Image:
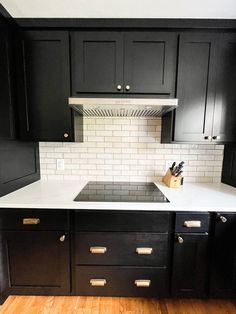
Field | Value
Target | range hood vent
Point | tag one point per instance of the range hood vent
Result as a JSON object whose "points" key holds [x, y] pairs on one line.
{"points": [[122, 107]]}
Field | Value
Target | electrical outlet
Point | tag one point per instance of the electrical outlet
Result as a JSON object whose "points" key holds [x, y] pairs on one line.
{"points": [[60, 164]]}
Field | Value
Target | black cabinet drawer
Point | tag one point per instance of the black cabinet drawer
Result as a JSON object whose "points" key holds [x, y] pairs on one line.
{"points": [[137, 249], [121, 281], [192, 222], [122, 221], [34, 219]]}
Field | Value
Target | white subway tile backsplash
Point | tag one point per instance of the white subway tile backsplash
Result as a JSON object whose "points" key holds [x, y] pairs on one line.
{"points": [[128, 149]]}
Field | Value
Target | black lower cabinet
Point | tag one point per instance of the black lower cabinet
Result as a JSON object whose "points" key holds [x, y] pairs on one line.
{"points": [[38, 262], [121, 281], [189, 273], [223, 261]]}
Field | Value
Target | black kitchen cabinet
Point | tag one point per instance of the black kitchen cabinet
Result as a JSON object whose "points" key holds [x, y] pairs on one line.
{"points": [[224, 125], [223, 259], [44, 86], [124, 62], [205, 89], [189, 274], [190, 257], [38, 262], [229, 165], [7, 127]]}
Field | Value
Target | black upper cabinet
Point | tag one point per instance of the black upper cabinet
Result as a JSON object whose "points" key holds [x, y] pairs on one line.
{"points": [[205, 89], [129, 62], [150, 62], [6, 108], [229, 165], [223, 262], [195, 87], [97, 59], [224, 126], [44, 86]]}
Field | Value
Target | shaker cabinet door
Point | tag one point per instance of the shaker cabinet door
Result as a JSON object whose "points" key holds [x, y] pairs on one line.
{"points": [[189, 274], [196, 87], [44, 86], [150, 62], [97, 62], [38, 262], [224, 126]]}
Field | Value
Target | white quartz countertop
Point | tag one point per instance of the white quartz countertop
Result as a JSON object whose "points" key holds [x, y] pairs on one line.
{"points": [[60, 195]]}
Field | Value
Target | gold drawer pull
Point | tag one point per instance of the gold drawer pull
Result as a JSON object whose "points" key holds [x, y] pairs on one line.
{"points": [[31, 221], [192, 224], [98, 250], [142, 283], [98, 282], [144, 250]]}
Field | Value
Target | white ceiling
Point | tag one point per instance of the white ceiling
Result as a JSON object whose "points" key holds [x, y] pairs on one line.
{"points": [[122, 8]]}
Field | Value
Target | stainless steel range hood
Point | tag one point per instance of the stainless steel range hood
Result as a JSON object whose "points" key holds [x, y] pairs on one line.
{"points": [[122, 107]]}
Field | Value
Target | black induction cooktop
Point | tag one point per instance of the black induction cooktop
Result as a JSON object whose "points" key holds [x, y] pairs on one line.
{"points": [[99, 191]]}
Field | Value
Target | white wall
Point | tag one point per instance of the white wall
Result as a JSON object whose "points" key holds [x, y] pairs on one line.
{"points": [[122, 8]]}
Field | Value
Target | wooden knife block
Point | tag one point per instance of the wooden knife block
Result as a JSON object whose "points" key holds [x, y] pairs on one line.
{"points": [[172, 181]]}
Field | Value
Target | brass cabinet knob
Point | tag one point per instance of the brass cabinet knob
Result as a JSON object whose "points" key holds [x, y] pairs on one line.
{"points": [[180, 240], [66, 135], [62, 238], [223, 219], [98, 249], [119, 87], [98, 282], [142, 283], [127, 88], [208, 137], [216, 137]]}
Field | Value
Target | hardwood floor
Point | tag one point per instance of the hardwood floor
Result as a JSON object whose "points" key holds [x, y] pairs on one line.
{"points": [[97, 305]]}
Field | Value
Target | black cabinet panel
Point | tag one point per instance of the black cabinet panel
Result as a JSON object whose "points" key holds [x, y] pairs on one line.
{"points": [[223, 260], [189, 273], [6, 96], [120, 281], [97, 62], [121, 248], [38, 262], [43, 101], [150, 62], [224, 127], [19, 165], [122, 221], [229, 165], [195, 86]]}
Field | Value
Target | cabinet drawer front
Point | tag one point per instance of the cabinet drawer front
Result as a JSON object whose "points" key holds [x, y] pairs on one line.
{"points": [[34, 219], [121, 281], [122, 221], [192, 222], [138, 249]]}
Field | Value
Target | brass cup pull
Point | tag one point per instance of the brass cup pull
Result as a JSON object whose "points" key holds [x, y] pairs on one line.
{"points": [[144, 250], [142, 283], [31, 221], [98, 282], [98, 250], [192, 224]]}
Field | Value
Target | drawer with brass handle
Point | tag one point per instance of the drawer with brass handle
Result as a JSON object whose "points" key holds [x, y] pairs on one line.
{"points": [[121, 248], [192, 222], [121, 281], [34, 219]]}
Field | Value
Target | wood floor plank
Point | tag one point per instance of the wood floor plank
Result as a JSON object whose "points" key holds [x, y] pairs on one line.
{"points": [[108, 305]]}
